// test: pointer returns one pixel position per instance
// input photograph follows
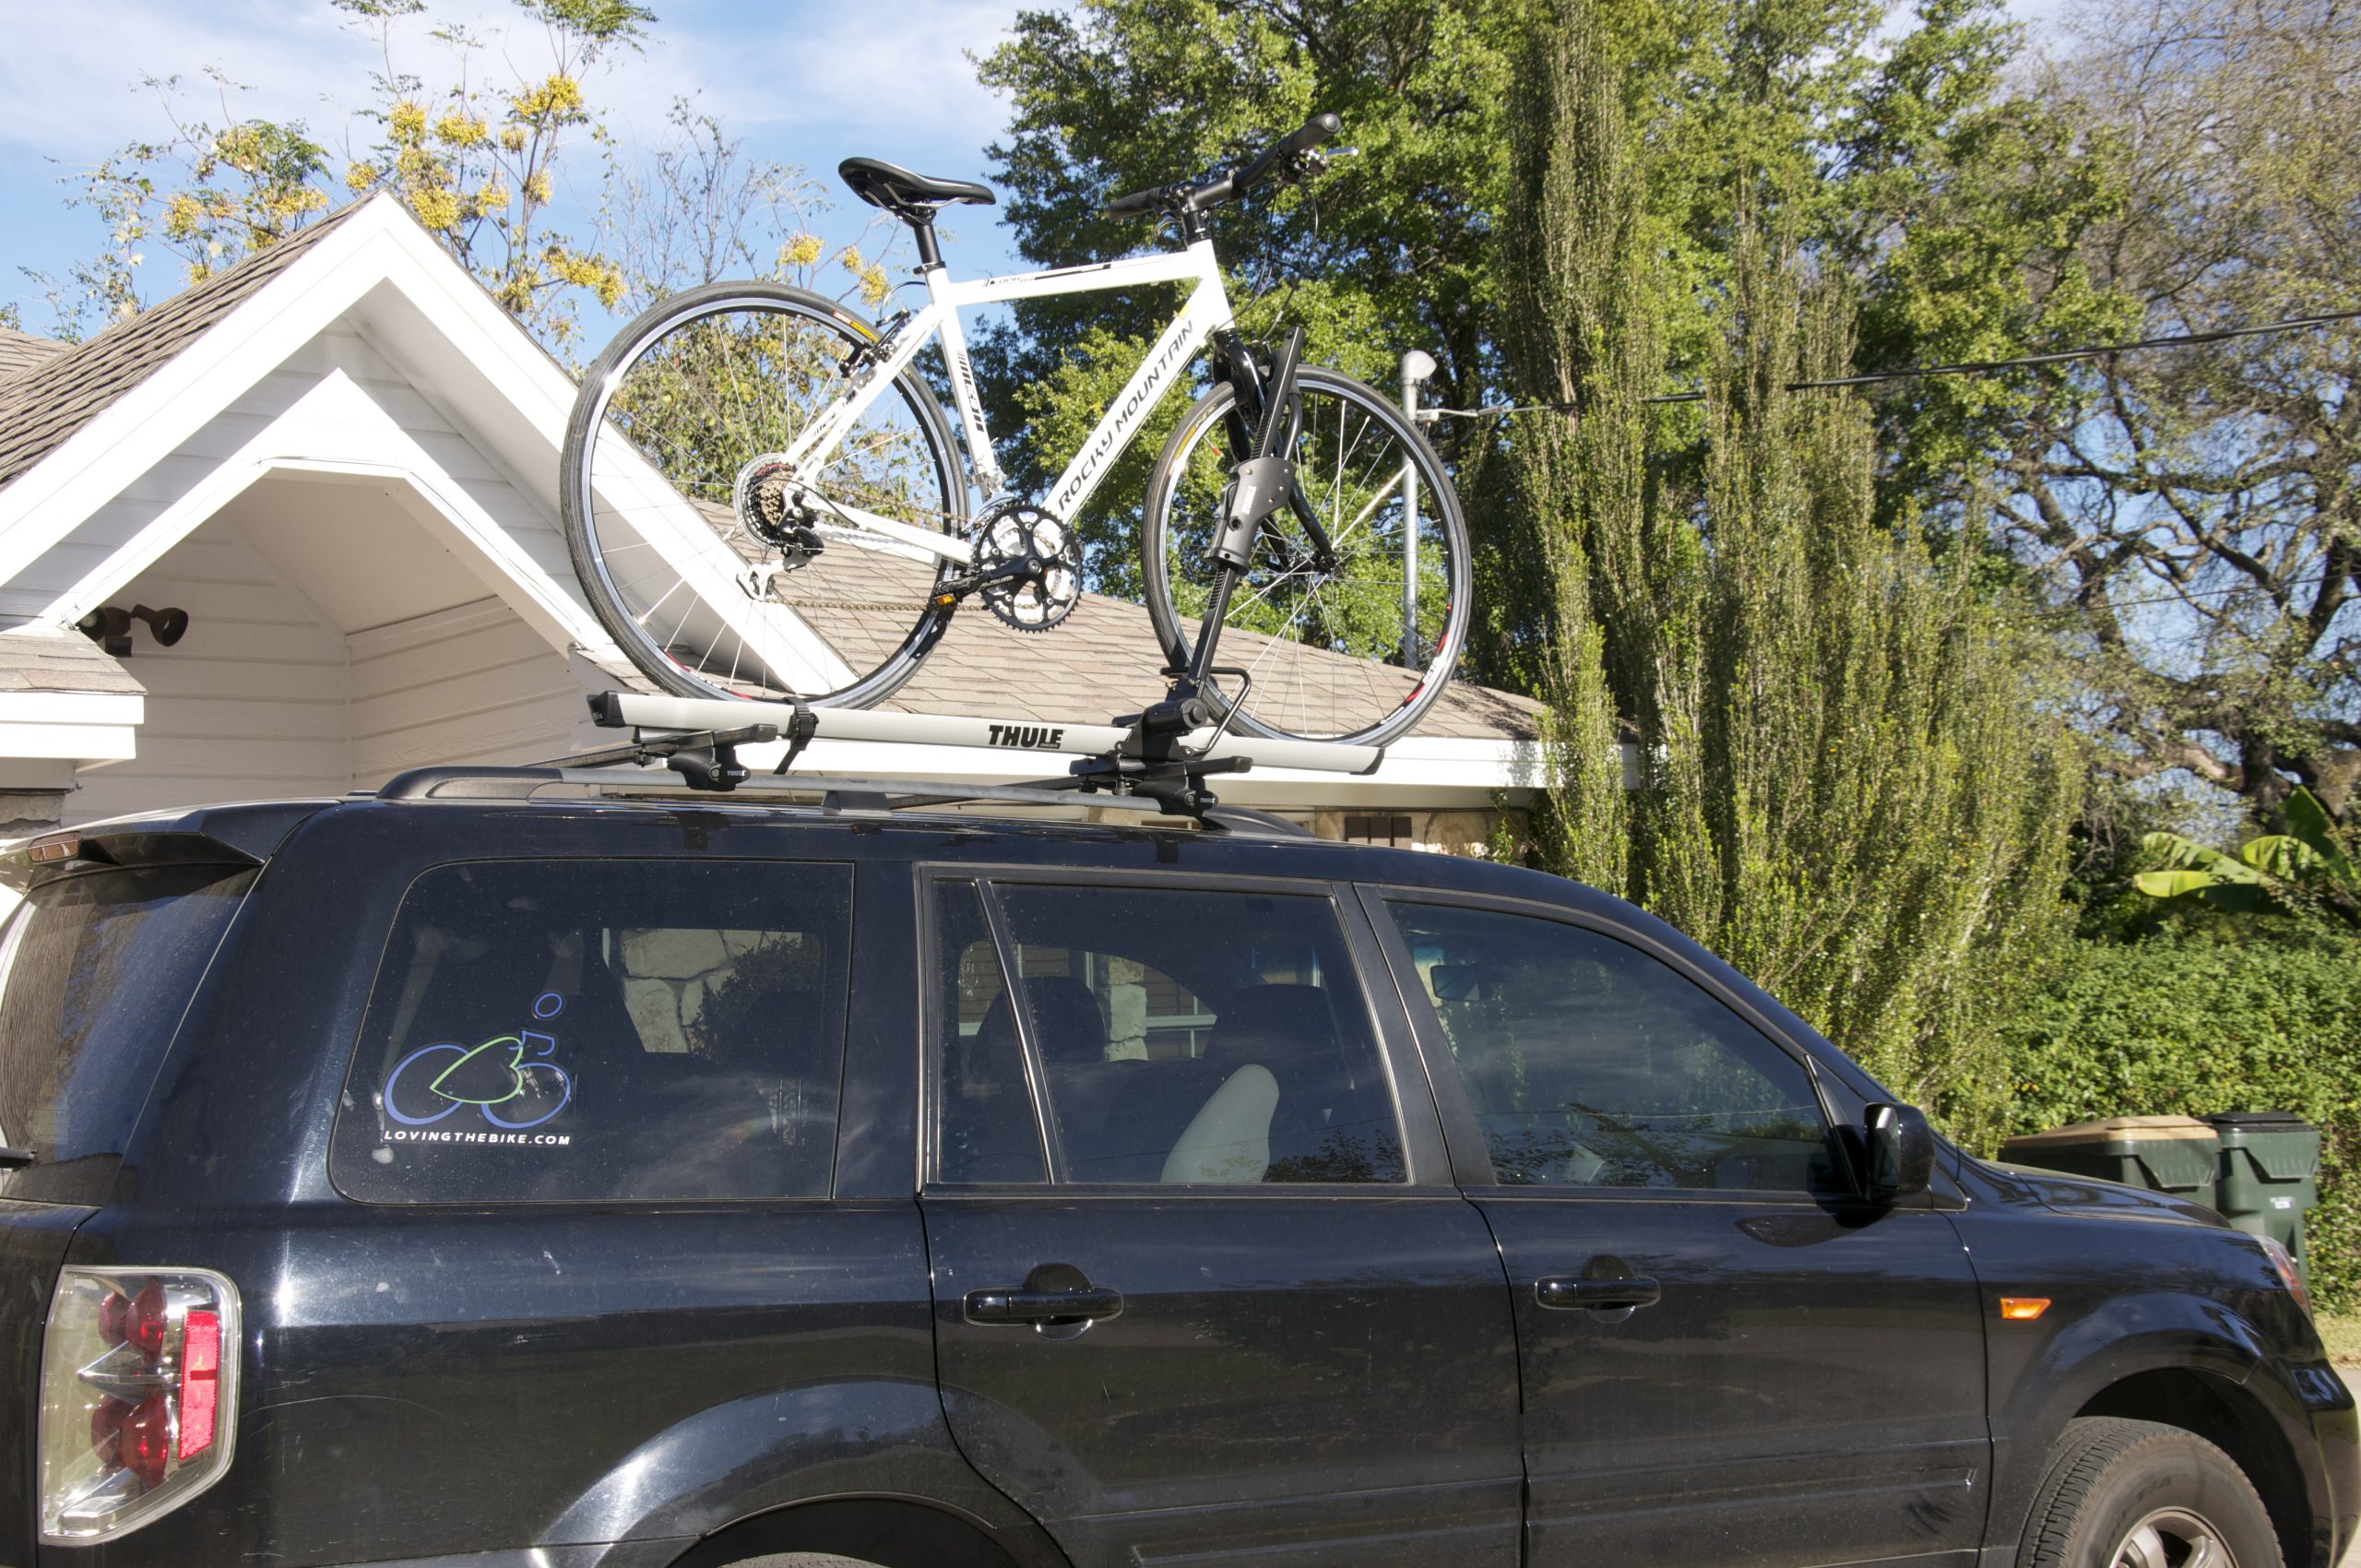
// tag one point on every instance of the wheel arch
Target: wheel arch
(889, 1529)
(745, 1478)
(2232, 1418)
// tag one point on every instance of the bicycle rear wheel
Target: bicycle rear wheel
(682, 526)
(1350, 616)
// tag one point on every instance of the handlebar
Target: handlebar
(1197, 195)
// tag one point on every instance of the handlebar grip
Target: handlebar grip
(1137, 202)
(1317, 129)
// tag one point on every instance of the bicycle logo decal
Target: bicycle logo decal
(499, 1073)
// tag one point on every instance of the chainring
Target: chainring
(1047, 590)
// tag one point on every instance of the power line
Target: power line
(1971, 367)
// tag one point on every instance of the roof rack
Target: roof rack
(704, 763)
(1154, 762)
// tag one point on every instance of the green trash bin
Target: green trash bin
(2166, 1153)
(2270, 1173)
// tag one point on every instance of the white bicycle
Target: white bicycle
(764, 499)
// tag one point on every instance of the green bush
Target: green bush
(2180, 1024)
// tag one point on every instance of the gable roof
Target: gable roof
(20, 351)
(43, 406)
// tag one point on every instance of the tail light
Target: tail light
(138, 1397)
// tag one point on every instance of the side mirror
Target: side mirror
(1900, 1151)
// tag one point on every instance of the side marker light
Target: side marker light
(2024, 1309)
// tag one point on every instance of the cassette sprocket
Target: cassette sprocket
(1032, 565)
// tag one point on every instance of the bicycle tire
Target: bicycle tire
(1333, 690)
(848, 603)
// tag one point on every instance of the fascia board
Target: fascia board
(337, 428)
(131, 436)
(85, 745)
(72, 707)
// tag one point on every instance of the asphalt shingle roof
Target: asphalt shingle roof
(1101, 660)
(41, 406)
(20, 351)
(43, 659)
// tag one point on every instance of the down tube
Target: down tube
(1206, 312)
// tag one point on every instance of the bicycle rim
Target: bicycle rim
(667, 516)
(1357, 648)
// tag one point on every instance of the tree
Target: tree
(1390, 250)
(2306, 871)
(1847, 788)
(476, 163)
(2194, 513)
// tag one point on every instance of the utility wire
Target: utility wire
(1908, 373)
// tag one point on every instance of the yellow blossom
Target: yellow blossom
(559, 95)
(359, 177)
(512, 138)
(455, 129)
(408, 123)
(493, 198)
(801, 251)
(182, 214)
(435, 209)
(537, 186)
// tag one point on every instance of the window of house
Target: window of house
(1591, 1063)
(602, 1030)
(1170, 1036)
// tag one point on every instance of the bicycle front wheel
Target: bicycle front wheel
(1350, 618)
(691, 531)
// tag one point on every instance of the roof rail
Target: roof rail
(834, 794)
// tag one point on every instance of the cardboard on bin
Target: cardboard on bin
(2178, 1153)
(2120, 1129)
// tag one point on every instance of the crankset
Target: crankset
(1028, 565)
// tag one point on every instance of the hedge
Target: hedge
(2184, 1024)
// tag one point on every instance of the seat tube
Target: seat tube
(982, 467)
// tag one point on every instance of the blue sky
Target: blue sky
(801, 82)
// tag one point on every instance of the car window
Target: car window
(96, 970)
(1591, 1063)
(1179, 1036)
(602, 1030)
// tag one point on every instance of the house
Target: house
(315, 496)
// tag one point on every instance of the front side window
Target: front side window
(1590, 1063)
(1167, 1035)
(602, 1030)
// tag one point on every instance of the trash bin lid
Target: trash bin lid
(2262, 1119)
(2120, 1129)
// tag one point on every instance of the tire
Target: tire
(1328, 648)
(2134, 1494)
(695, 389)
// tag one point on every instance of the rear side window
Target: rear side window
(553, 1030)
(96, 970)
(1173, 1036)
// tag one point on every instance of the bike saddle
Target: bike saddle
(900, 192)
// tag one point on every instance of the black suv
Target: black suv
(606, 1182)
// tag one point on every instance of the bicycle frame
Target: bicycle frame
(1205, 311)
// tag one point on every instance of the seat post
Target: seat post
(922, 228)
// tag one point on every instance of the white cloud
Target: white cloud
(808, 82)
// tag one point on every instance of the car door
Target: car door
(1203, 1289)
(1728, 1358)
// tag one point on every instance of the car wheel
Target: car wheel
(2134, 1494)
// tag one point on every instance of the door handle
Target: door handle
(1570, 1294)
(1043, 1306)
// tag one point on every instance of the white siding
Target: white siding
(469, 684)
(252, 703)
